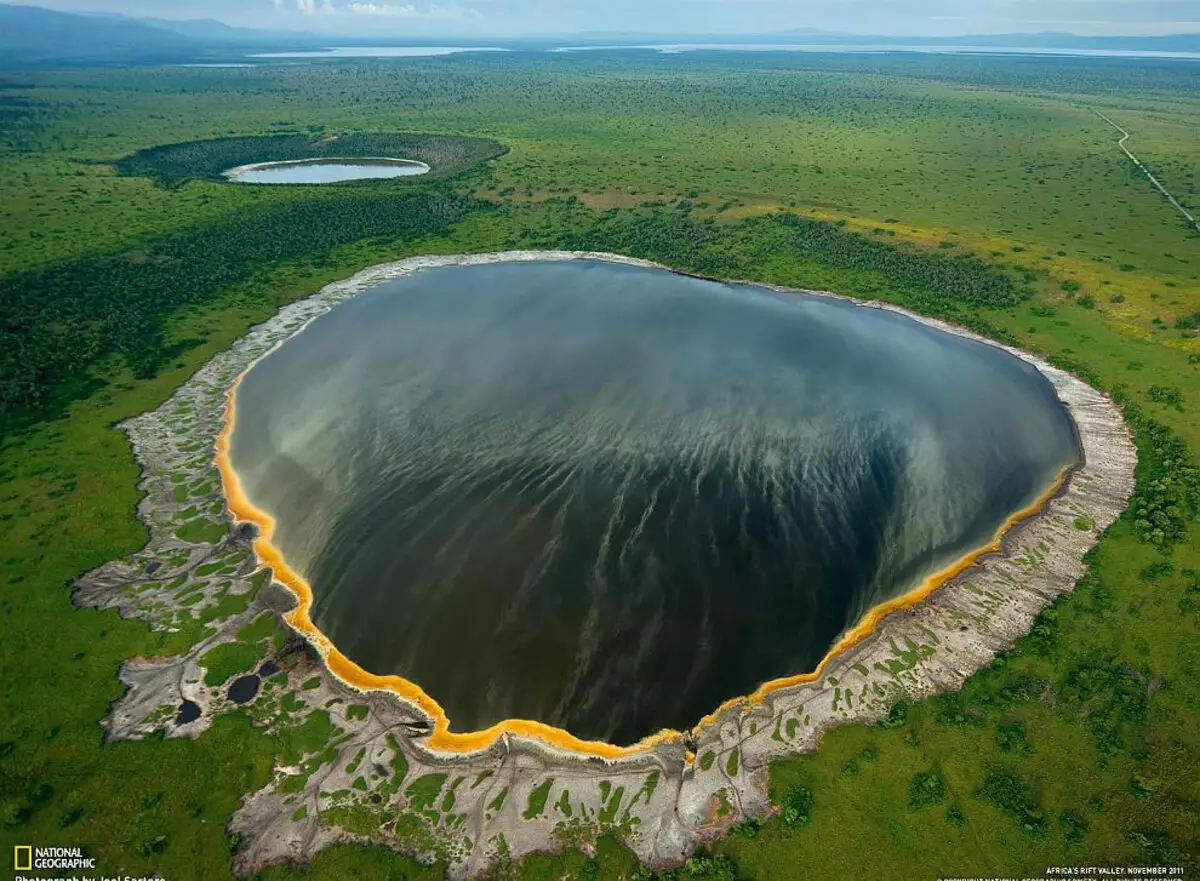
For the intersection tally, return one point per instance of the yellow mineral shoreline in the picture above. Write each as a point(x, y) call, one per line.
point(445, 740)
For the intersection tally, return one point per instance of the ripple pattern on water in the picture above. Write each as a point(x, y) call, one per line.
point(609, 498)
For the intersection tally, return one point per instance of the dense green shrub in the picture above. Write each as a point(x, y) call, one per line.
point(703, 866)
point(1012, 737)
point(1170, 395)
point(935, 282)
point(927, 788)
point(1109, 696)
point(1074, 828)
point(58, 322)
point(1168, 484)
point(796, 808)
point(173, 164)
point(897, 716)
point(1155, 844)
point(1007, 792)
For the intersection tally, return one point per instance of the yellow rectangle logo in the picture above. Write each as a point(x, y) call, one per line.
point(23, 857)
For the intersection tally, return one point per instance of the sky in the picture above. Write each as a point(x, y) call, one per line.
point(518, 17)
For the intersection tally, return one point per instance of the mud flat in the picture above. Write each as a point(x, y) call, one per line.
point(523, 787)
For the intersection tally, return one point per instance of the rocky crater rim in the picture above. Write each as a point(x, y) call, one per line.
point(441, 739)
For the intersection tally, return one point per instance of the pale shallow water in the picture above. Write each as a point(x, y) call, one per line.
point(876, 48)
point(325, 171)
point(608, 497)
point(379, 52)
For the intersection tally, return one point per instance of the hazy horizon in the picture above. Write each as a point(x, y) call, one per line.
point(389, 19)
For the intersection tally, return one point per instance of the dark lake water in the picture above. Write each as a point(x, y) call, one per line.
point(610, 498)
point(325, 171)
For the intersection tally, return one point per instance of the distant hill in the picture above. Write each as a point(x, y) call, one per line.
point(217, 33)
point(814, 37)
point(30, 35)
point(1044, 40)
point(33, 36)
point(1167, 43)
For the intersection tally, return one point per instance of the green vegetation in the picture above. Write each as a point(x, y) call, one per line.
point(422, 793)
point(1012, 737)
point(175, 164)
point(58, 323)
point(537, 799)
point(1074, 828)
point(201, 531)
point(796, 807)
point(263, 626)
point(927, 788)
point(1006, 791)
point(498, 802)
point(227, 660)
point(850, 174)
point(703, 867)
point(399, 762)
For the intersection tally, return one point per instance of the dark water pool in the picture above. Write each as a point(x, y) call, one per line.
point(243, 689)
point(610, 498)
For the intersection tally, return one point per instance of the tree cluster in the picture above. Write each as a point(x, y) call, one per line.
point(56, 323)
point(174, 164)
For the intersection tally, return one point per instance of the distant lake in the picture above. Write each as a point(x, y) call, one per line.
point(874, 48)
point(609, 497)
point(324, 171)
point(676, 48)
point(379, 52)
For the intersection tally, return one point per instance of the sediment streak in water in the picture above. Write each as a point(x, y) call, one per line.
point(610, 498)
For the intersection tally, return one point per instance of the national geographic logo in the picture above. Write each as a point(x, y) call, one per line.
point(27, 858)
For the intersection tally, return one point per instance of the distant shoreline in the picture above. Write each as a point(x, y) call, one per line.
point(850, 47)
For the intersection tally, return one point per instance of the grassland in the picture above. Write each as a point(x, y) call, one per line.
point(1081, 746)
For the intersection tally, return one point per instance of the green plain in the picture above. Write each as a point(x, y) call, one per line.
point(1079, 745)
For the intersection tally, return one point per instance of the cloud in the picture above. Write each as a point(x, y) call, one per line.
point(434, 12)
point(407, 10)
point(309, 7)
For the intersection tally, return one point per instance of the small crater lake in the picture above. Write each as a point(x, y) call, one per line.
point(608, 497)
point(324, 171)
